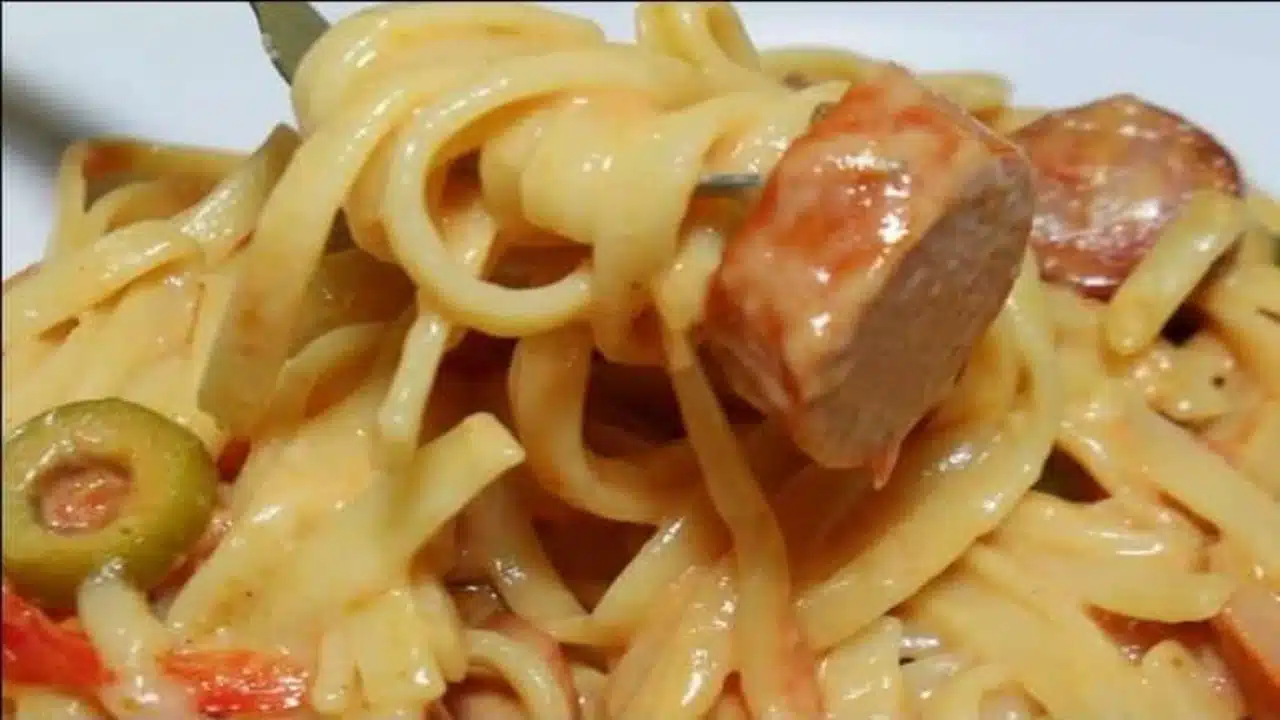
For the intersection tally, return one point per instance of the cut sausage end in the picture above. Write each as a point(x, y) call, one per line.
point(884, 244)
point(915, 335)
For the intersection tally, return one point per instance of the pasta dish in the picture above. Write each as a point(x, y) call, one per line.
point(471, 397)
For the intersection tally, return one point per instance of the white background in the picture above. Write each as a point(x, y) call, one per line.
point(196, 73)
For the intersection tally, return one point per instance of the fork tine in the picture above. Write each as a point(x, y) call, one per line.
point(288, 30)
point(727, 183)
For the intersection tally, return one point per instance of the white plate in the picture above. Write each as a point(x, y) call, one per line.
point(195, 72)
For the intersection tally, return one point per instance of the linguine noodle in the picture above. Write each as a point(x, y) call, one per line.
point(453, 318)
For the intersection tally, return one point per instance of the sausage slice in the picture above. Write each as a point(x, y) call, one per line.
point(884, 243)
point(1109, 175)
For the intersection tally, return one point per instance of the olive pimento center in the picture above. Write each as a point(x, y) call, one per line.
point(78, 498)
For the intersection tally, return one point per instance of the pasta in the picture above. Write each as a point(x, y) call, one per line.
point(443, 339)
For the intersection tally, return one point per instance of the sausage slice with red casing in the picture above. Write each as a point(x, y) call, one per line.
point(884, 243)
point(1109, 174)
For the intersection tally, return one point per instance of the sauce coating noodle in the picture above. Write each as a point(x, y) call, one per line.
point(455, 317)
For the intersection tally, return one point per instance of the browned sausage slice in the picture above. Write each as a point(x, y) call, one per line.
point(884, 243)
point(1108, 176)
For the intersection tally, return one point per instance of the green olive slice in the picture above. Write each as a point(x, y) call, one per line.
point(97, 482)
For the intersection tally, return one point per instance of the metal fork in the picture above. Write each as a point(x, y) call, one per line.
point(289, 29)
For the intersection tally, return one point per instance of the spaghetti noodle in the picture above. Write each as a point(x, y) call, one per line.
point(443, 340)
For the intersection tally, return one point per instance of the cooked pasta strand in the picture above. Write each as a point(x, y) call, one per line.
point(471, 455)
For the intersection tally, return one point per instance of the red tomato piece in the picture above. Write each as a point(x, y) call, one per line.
point(39, 651)
point(234, 682)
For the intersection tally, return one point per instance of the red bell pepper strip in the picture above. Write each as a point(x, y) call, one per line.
point(223, 683)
